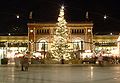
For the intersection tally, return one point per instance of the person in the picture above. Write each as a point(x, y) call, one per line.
point(100, 60)
point(62, 60)
point(24, 63)
point(17, 61)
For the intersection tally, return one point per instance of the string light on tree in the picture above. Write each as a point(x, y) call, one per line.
point(60, 39)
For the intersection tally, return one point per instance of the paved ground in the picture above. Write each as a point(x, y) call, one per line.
point(60, 74)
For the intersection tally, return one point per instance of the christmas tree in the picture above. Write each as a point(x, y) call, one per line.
point(60, 38)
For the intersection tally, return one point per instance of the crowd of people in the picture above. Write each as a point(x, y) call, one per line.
point(101, 59)
point(23, 61)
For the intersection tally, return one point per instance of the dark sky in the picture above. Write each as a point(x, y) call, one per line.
point(48, 10)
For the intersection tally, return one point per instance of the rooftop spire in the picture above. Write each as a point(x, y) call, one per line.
point(87, 16)
point(30, 15)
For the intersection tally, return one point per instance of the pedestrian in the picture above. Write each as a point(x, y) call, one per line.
point(62, 60)
point(17, 60)
point(100, 60)
point(24, 61)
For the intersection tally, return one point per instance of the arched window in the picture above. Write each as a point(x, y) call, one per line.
point(42, 45)
point(78, 44)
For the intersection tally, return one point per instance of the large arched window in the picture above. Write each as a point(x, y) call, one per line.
point(78, 44)
point(42, 45)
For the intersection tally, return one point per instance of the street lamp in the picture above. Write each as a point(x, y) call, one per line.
point(17, 16)
point(9, 34)
point(105, 17)
point(118, 45)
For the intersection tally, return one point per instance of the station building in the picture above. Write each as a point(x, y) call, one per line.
point(9, 45)
point(106, 42)
point(39, 38)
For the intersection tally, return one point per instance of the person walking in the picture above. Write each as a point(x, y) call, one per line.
point(100, 60)
point(24, 61)
point(17, 60)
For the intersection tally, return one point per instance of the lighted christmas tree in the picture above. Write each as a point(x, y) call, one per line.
point(60, 39)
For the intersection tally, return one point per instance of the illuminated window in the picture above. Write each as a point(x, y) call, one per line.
point(42, 45)
point(78, 44)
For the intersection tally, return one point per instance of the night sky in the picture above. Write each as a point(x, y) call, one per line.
point(47, 11)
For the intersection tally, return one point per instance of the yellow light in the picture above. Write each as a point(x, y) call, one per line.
point(9, 34)
point(62, 7)
point(89, 30)
point(31, 31)
point(18, 16)
point(105, 16)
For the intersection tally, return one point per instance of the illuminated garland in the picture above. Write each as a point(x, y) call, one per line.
point(60, 45)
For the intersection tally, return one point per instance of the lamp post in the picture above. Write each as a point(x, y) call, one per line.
point(17, 16)
point(118, 45)
point(119, 48)
point(44, 50)
point(105, 17)
point(6, 46)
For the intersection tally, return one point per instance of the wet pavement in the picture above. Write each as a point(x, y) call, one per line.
point(60, 74)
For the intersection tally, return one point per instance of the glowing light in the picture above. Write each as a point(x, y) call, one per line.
point(62, 7)
point(110, 33)
point(91, 73)
point(18, 16)
point(105, 16)
point(9, 34)
point(89, 30)
point(31, 31)
point(60, 46)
